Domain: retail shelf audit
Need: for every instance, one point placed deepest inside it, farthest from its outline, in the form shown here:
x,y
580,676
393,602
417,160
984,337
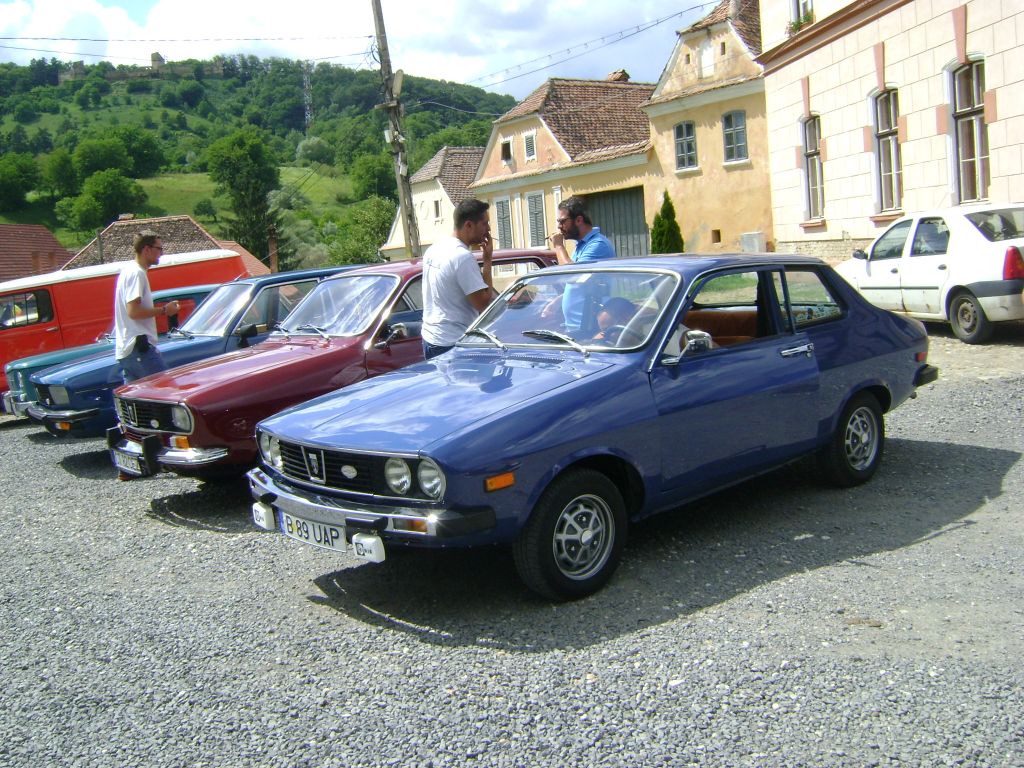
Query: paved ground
x,y
781,623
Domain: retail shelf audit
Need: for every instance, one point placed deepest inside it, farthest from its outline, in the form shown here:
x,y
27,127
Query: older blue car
x,y
76,399
686,374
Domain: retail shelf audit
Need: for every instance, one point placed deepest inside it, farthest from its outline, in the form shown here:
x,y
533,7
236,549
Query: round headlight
x,y
431,478
398,475
270,447
181,418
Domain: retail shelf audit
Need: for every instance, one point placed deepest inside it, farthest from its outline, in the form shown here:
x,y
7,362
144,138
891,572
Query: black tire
x,y
968,319
854,451
573,540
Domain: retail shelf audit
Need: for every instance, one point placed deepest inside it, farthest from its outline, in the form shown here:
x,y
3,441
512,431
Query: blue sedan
x,y
686,374
76,399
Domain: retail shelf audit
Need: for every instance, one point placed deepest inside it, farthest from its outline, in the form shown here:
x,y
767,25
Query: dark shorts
x,y
139,364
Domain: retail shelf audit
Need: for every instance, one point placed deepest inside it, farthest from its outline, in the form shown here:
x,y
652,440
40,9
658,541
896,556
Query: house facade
x,y
569,137
880,107
29,249
440,185
709,132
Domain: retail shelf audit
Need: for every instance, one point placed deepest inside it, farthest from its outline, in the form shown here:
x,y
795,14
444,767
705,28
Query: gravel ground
x,y
781,623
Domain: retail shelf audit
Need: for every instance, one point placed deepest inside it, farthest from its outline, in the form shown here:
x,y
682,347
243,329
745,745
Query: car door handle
x,y
895,270
803,349
53,330
942,266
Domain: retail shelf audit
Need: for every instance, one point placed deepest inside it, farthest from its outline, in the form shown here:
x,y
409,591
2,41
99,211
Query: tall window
x,y
503,214
686,145
971,135
812,169
535,216
530,146
734,132
887,152
803,9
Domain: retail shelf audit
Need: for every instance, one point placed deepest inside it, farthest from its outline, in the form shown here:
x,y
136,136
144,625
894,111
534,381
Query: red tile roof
x,y
745,16
586,116
253,265
29,249
455,168
180,234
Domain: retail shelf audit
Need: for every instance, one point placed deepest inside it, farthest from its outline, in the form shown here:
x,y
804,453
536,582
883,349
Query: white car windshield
x,y
214,316
599,309
342,306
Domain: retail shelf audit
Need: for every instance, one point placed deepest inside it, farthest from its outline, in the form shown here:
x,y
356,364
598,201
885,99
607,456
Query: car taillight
x,y
1013,264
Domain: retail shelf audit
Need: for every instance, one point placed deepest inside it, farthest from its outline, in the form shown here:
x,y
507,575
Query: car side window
x,y
20,309
810,300
731,307
931,237
274,303
408,310
890,245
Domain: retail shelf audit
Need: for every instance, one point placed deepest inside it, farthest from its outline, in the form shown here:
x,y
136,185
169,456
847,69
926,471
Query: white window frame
x,y
680,143
536,231
814,177
503,144
530,145
970,134
738,134
885,108
497,220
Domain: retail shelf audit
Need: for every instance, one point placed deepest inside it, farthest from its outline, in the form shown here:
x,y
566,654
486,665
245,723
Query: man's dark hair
x,y
144,238
576,206
470,209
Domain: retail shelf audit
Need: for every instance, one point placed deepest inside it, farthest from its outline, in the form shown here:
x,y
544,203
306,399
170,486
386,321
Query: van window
x,y
19,309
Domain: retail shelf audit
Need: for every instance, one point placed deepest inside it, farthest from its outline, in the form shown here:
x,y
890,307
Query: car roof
x,y
692,263
406,267
291,275
963,210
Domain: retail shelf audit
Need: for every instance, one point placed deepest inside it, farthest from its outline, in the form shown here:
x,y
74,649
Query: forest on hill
x,y
242,143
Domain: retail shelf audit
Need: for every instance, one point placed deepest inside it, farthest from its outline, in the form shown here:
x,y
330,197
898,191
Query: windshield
x,y
214,316
599,309
343,306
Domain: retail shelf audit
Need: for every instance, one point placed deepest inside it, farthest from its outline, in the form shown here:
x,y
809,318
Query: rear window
x,y
28,308
999,223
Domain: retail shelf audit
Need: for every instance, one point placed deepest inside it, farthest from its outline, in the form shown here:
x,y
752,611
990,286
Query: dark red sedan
x,y
200,419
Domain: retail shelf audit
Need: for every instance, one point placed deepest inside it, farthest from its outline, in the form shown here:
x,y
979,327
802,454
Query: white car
x,y
959,265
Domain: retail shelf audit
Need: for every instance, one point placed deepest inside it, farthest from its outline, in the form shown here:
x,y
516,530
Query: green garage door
x,y
620,215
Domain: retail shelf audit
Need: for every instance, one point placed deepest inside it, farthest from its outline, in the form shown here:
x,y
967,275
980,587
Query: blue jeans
x,y
139,364
433,350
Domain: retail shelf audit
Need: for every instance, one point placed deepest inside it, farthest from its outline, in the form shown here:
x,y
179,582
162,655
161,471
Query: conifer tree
x,y
666,236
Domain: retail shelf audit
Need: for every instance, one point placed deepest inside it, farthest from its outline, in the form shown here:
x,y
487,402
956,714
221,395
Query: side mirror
x,y
859,254
390,333
697,341
244,333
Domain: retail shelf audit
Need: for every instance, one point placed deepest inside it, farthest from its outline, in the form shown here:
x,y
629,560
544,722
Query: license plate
x,y
313,533
127,463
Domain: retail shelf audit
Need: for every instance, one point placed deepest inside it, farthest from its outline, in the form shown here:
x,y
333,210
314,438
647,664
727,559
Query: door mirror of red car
x,y
390,333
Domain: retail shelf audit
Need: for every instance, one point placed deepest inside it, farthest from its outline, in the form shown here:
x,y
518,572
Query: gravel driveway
x,y
781,623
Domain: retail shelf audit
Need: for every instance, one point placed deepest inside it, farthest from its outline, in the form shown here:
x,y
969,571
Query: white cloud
x,y
458,40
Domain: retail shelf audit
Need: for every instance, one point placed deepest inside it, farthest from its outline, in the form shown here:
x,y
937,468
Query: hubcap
x,y
966,316
583,537
861,439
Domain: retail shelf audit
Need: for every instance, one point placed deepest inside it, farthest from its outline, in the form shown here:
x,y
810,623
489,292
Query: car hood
x,y
409,409
245,364
60,356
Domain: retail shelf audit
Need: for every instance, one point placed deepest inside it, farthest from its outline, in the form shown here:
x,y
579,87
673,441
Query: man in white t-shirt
x,y
134,313
455,287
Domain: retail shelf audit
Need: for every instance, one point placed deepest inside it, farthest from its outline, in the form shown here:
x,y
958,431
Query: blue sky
x,y
508,49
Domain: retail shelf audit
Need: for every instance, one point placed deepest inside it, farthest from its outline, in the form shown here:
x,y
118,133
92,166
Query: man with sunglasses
x,y
574,223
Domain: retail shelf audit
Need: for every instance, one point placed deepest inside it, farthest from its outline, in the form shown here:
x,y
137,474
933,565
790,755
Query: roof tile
x,y
29,249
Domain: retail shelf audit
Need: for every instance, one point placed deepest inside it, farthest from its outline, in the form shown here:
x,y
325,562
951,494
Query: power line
x,y
187,39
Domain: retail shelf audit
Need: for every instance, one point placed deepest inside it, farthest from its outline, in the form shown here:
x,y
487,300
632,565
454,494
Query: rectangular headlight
x,y
181,418
59,395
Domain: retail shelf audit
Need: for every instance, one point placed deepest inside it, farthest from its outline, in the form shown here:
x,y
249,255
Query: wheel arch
x,y
618,469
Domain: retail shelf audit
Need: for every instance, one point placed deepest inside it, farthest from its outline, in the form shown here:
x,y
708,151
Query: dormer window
x,y
506,151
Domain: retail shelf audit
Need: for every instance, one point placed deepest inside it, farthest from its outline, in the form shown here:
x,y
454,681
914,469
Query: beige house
x,y
440,185
709,132
570,137
881,107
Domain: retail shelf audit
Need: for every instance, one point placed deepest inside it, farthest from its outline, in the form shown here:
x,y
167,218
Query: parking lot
x,y
781,623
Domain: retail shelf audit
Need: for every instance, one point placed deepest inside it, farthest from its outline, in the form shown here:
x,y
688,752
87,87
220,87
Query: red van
x,y
71,307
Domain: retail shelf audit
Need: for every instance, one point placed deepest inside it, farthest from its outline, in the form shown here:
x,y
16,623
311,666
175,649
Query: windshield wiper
x,y
489,336
311,327
543,333
179,332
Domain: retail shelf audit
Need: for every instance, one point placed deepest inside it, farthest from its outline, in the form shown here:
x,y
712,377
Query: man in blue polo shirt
x,y
574,224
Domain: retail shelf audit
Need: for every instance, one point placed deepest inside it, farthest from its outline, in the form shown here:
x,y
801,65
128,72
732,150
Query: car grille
x,y
145,415
340,470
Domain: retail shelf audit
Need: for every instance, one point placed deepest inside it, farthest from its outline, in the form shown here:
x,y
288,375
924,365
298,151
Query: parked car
x,y
71,307
76,399
957,265
553,441
201,419
22,391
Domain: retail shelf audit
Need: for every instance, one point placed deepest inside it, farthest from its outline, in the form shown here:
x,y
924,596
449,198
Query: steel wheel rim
x,y
583,536
966,315
861,439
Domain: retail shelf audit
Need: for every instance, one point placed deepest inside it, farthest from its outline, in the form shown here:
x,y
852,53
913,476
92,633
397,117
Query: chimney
x,y
618,76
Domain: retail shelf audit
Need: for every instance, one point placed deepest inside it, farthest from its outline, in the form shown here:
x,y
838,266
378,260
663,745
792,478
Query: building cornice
x,y
670,105
510,183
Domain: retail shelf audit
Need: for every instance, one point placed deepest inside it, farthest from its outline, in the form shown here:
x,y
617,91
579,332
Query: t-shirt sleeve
x,y
467,273
132,286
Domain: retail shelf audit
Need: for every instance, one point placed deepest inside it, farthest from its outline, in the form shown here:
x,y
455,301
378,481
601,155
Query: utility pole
x,y
394,137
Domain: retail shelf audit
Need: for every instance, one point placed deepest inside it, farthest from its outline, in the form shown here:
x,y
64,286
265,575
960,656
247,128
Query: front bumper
x,y
151,453
14,405
84,423
394,522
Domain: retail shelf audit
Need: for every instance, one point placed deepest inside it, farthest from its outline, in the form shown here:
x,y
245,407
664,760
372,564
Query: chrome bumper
x,y
40,413
15,406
